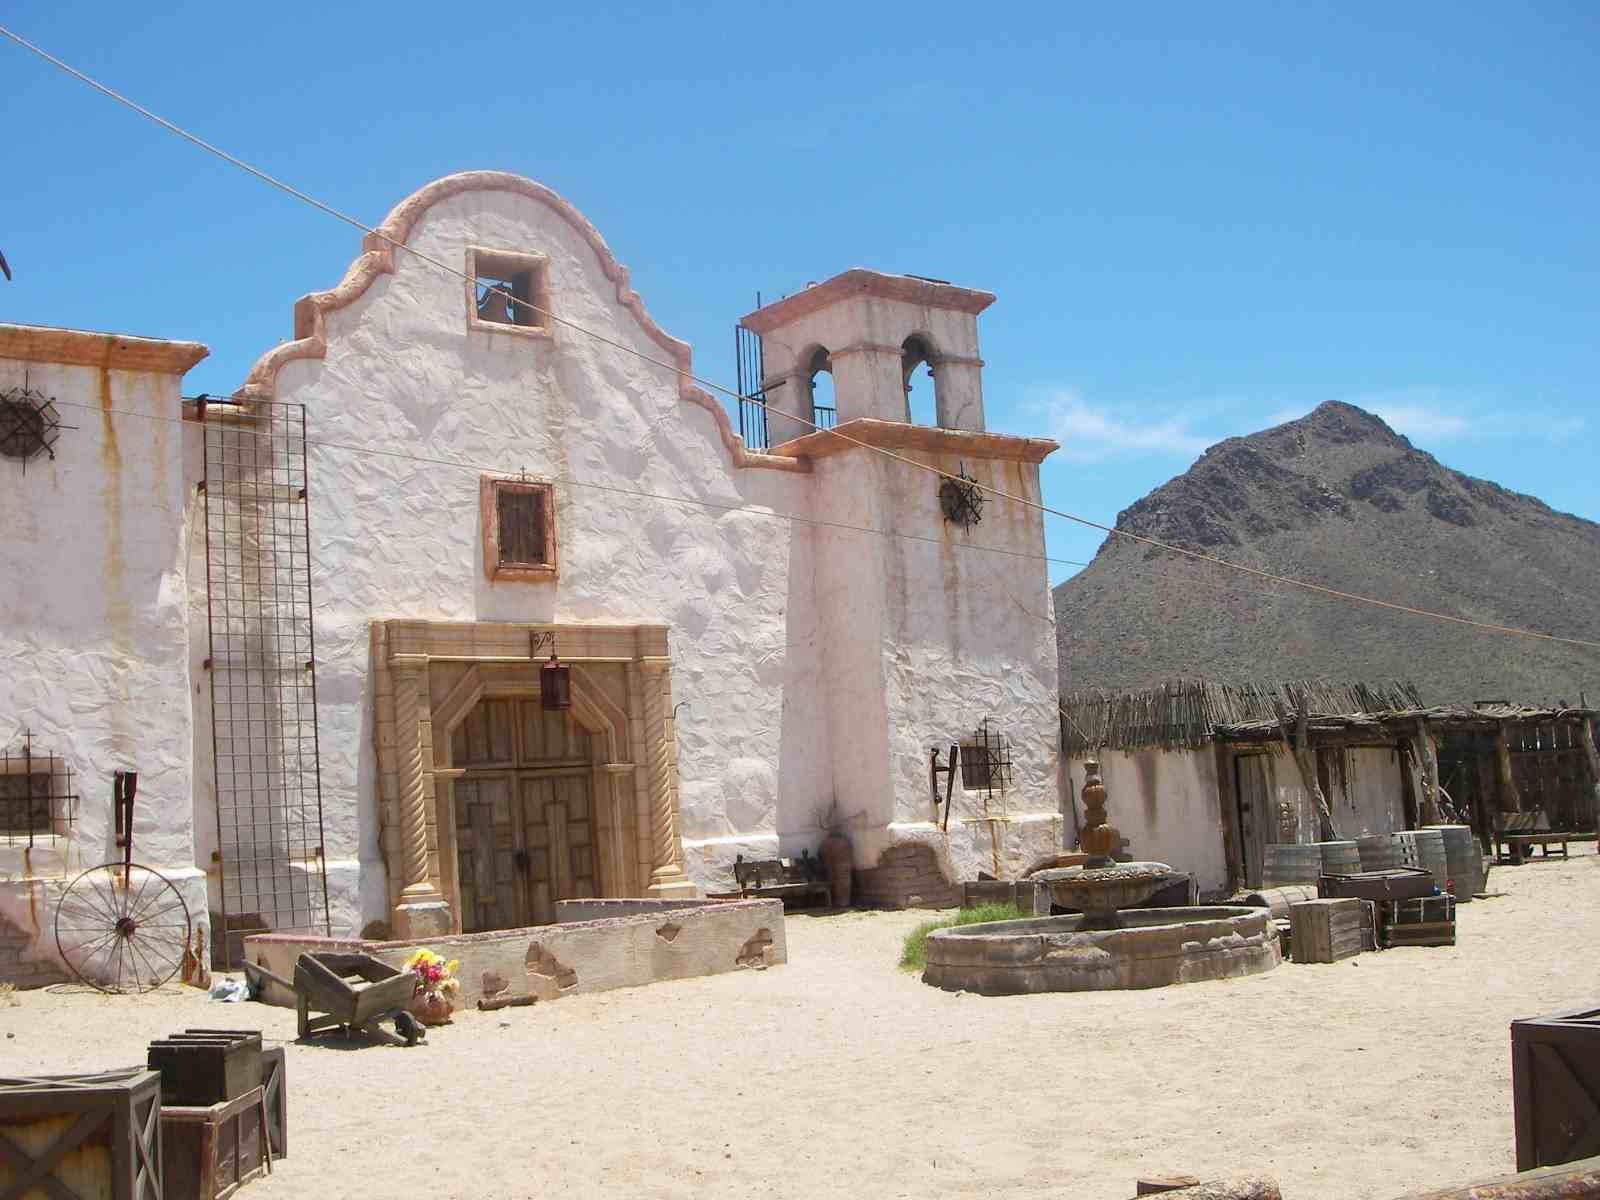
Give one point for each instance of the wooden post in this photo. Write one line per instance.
(1591, 754)
(1428, 754)
(1510, 800)
(1298, 738)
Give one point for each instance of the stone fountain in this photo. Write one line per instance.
(1112, 944)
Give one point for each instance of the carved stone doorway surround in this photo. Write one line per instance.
(428, 675)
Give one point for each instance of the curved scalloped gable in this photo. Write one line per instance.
(312, 312)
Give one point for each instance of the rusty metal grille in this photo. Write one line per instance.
(262, 668)
(986, 760)
(37, 799)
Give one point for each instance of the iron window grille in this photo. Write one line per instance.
(37, 799)
(519, 534)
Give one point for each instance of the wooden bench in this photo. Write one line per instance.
(1520, 832)
(783, 878)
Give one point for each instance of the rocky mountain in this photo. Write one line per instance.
(1337, 498)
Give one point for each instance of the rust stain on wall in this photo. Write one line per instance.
(114, 569)
(110, 451)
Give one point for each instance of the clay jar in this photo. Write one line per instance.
(837, 859)
(430, 1009)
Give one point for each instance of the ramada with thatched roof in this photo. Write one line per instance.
(1203, 775)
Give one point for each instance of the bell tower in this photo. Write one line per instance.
(869, 331)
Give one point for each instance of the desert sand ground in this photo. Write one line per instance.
(839, 1075)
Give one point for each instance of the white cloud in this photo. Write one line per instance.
(1090, 433)
(1428, 416)
(1424, 422)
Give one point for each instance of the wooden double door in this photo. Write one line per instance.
(524, 815)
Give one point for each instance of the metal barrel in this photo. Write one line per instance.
(1463, 860)
(1340, 858)
(1426, 850)
(1278, 899)
(1283, 863)
(1381, 852)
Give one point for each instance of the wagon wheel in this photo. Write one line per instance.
(122, 928)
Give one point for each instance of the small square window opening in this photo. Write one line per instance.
(507, 289)
(25, 806)
(519, 536)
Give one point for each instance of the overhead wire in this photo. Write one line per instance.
(678, 370)
(614, 489)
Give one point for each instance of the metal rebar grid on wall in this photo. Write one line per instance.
(262, 668)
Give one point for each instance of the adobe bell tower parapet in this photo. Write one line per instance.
(870, 330)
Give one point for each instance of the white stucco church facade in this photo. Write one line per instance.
(754, 635)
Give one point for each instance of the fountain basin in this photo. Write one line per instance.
(1097, 892)
(1153, 948)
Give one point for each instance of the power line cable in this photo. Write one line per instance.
(1109, 530)
(614, 489)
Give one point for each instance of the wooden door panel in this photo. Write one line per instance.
(540, 878)
(484, 853)
(1254, 792)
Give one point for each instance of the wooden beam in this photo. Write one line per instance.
(1298, 738)
(1428, 754)
(1510, 799)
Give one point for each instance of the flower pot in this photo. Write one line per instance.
(431, 1009)
(838, 860)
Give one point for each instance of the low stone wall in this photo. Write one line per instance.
(1032, 899)
(647, 941)
(1157, 947)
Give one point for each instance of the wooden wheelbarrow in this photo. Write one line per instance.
(351, 992)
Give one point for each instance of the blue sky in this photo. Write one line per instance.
(1198, 220)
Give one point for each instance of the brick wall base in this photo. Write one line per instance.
(907, 876)
(24, 973)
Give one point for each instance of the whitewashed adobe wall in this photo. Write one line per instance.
(953, 626)
(388, 363)
(401, 373)
(1166, 803)
(94, 630)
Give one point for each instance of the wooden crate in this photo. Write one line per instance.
(1326, 930)
(82, 1137)
(202, 1069)
(211, 1152)
(1422, 921)
(275, 1083)
(1555, 1087)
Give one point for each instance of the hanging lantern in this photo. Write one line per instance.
(555, 682)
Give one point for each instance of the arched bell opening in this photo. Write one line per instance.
(819, 388)
(917, 374)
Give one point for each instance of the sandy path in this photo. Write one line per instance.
(839, 1075)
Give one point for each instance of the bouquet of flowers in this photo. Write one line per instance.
(436, 978)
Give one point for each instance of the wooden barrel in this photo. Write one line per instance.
(1463, 860)
(1279, 899)
(1426, 850)
(1381, 852)
(1340, 858)
(1283, 864)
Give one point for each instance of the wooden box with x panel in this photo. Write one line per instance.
(81, 1137)
(1555, 1087)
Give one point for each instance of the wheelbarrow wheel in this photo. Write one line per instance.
(122, 928)
(408, 1027)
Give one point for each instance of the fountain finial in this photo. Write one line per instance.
(1098, 839)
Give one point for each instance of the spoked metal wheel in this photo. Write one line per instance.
(121, 927)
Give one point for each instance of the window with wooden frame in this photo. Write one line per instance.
(519, 529)
(508, 291)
